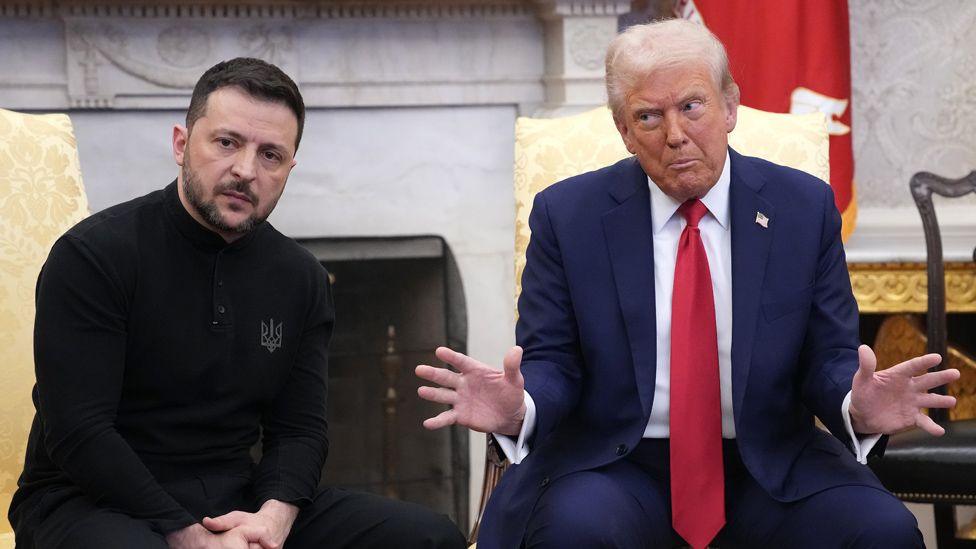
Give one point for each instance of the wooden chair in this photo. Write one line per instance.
(41, 196)
(549, 150)
(917, 467)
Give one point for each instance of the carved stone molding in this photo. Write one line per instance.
(586, 46)
(112, 57)
(577, 33)
(326, 9)
(342, 53)
(903, 287)
(557, 9)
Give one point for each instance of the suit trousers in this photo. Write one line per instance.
(626, 505)
(67, 518)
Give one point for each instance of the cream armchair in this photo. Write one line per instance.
(41, 196)
(549, 150)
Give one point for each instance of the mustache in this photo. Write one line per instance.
(238, 187)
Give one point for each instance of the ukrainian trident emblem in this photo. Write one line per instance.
(271, 335)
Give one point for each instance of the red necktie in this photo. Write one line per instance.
(697, 479)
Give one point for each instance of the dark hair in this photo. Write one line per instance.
(255, 77)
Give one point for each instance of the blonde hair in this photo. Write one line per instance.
(641, 49)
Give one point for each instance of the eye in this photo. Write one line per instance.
(692, 106)
(225, 142)
(272, 156)
(649, 118)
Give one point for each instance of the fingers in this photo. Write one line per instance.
(443, 419)
(437, 394)
(440, 376)
(224, 522)
(512, 363)
(931, 380)
(920, 364)
(932, 400)
(926, 423)
(867, 363)
(461, 362)
(257, 533)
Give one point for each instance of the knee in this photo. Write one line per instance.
(420, 528)
(573, 529)
(892, 526)
(588, 510)
(110, 533)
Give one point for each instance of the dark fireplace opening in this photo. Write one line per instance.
(397, 299)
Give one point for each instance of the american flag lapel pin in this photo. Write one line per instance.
(762, 220)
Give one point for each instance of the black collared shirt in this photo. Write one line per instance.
(161, 351)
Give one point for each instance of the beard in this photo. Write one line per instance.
(208, 209)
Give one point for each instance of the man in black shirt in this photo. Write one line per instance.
(174, 329)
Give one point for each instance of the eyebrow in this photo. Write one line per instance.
(240, 137)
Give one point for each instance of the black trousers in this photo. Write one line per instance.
(66, 518)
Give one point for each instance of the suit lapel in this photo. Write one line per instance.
(750, 251)
(627, 229)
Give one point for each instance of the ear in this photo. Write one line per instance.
(625, 134)
(181, 137)
(731, 107)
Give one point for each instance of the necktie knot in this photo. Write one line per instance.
(693, 210)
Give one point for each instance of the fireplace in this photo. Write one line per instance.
(397, 299)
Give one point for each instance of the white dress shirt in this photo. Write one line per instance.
(667, 226)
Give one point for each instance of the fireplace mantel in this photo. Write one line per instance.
(539, 55)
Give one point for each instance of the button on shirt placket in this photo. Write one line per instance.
(220, 305)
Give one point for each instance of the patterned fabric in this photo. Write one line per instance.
(549, 150)
(41, 196)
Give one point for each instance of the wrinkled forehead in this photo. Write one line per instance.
(255, 119)
(675, 81)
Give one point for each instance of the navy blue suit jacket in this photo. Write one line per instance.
(587, 326)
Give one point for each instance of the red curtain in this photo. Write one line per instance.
(791, 56)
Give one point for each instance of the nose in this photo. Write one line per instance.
(673, 130)
(245, 164)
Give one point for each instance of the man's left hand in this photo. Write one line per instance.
(268, 528)
(893, 399)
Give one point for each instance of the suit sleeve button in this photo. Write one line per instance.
(621, 449)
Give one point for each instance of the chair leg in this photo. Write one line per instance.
(945, 525)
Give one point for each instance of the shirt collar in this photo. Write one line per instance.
(716, 200)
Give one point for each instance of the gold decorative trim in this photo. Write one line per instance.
(903, 287)
(926, 496)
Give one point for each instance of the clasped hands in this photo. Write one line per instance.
(266, 529)
(489, 400)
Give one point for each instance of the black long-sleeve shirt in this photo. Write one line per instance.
(161, 351)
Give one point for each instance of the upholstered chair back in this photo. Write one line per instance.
(551, 149)
(41, 196)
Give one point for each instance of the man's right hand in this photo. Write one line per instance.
(196, 536)
(481, 397)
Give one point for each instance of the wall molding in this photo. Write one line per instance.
(324, 9)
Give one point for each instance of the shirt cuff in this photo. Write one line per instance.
(517, 450)
(863, 445)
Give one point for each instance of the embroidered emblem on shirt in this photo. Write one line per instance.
(762, 220)
(271, 335)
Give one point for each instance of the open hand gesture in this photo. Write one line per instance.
(481, 397)
(892, 400)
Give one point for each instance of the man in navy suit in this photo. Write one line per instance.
(644, 413)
